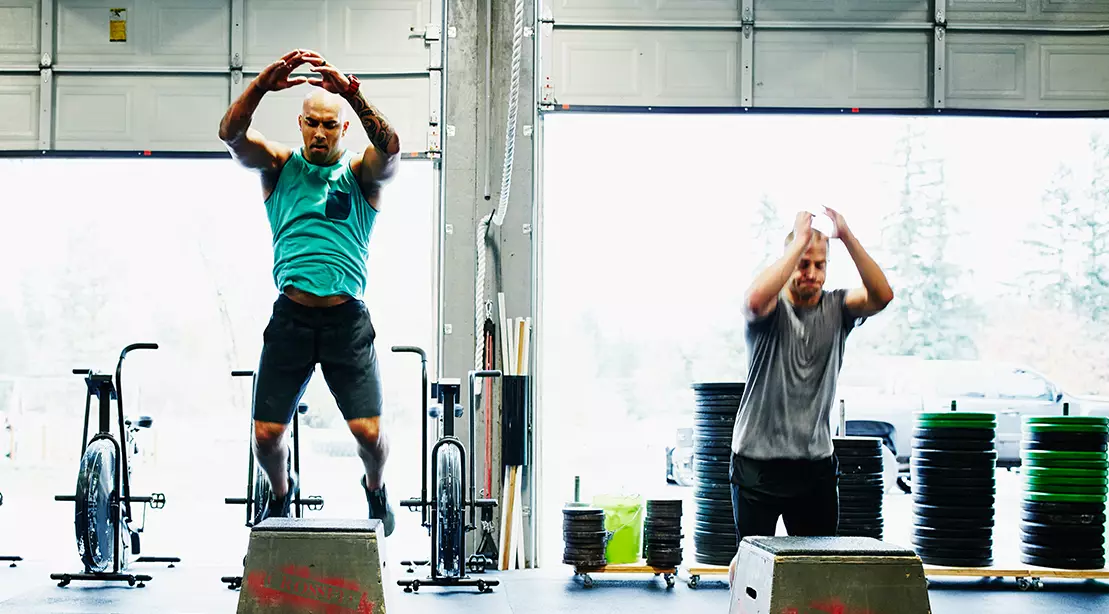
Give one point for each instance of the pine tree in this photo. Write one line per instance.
(929, 317)
(767, 235)
(1051, 284)
(1092, 228)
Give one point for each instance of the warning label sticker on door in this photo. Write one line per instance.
(117, 25)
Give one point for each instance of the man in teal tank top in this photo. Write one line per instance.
(322, 202)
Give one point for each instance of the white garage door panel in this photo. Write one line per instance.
(354, 35)
(139, 112)
(643, 10)
(1042, 11)
(160, 33)
(841, 69)
(19, 112)
(19, 32)
(404, 102)
(841, 10)
(644, 68)
(1027, 72)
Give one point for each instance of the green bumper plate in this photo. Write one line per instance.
(956, 415)
(1049, 497)
(1057, 474)
(1064, 464)
(1084, 420)
(1066, 488)
(1063, 455)
(1065, 428)
(956, 424)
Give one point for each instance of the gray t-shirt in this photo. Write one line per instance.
(794, 356)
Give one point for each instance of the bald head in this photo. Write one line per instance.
(322, 101)
(323, 123)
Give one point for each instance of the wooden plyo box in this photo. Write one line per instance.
(313, 566)
(798, 575)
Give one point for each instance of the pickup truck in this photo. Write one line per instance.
(887, 395)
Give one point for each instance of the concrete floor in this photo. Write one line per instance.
(43, 535)
(194, 590)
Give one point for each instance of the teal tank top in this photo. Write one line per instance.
(321, 226)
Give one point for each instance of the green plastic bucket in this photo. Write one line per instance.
(624, 521)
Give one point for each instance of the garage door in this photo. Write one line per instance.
(136, 75)
(904, 54)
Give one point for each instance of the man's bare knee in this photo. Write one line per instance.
(268, 435)
(366, 430)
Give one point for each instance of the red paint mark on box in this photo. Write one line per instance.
(293, 585)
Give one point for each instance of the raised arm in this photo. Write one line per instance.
(876, 292)
(379, 161)
(762, 295)
(248, 146)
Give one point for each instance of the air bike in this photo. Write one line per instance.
(106, 537)
(444, 513)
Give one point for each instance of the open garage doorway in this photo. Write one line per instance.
(102, 252)
(991, 230)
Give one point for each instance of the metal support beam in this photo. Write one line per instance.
(236, 84)
(939, 68)
(46, 74)
(747, 53)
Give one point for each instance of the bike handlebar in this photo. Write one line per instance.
(242, 373)
(81, 371)
(138, 346)
(411, 349)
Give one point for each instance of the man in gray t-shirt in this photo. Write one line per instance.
(782, 462)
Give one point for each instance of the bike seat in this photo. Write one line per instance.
(145, 422)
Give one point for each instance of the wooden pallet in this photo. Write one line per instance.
(695, 573)
(1027, 576)
(667, 573)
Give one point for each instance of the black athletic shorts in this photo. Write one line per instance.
(804, 493)
(339, 338)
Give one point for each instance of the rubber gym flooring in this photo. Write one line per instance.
(194, 586)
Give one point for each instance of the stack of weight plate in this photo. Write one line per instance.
(860, 486)
(1062, 516)
(663, 533)
(583, 531)
(714, 531)
(953, 468)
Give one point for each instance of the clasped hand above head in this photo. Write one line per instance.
(803, 230)
(278, 75)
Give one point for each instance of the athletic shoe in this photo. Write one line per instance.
(380, 509)
(283, 508)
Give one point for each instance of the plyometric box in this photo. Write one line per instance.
(847, 575)
(311, 566)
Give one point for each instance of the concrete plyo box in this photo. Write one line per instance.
(845, 575)
(313, 566)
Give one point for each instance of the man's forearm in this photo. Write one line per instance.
(874, 280)
(773, 278)
(381, 134)
(236, 121)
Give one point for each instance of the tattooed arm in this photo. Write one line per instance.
(379, 161)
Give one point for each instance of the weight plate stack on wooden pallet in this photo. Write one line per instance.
(953, 468)
(714, 417)
(583, 533)
(662, 533)
(1066, 472)
(860, 486)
